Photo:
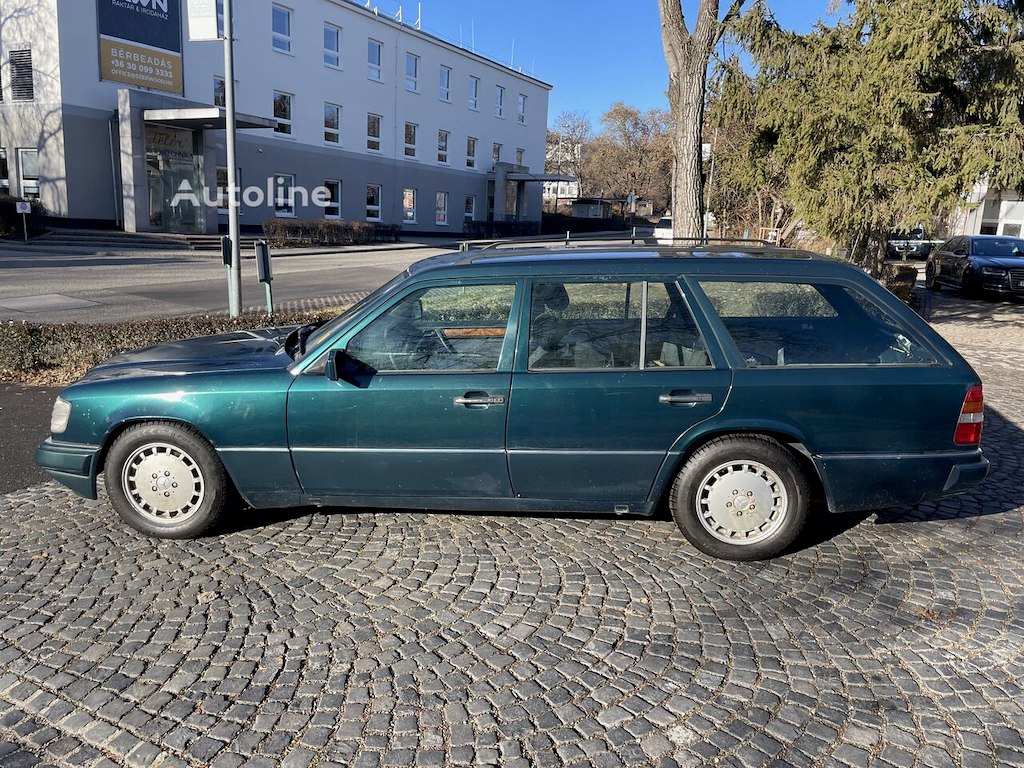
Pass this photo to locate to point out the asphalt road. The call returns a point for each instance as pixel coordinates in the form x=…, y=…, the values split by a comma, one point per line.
x=24, y=423
x=133, y=285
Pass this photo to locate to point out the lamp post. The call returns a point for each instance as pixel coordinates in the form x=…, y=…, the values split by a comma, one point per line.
x=235, y=267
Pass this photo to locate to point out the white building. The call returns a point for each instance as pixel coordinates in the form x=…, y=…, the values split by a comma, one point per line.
x=990, y=212
x=109, y=114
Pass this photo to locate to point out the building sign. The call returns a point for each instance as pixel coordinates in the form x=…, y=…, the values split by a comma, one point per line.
x=140, y=43
x=173, y=143
x=205, y=20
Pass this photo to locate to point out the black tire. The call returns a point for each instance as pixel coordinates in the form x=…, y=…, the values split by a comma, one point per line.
x=755, y=470
x=185, y=489
x=929, y=279
x=970, y=286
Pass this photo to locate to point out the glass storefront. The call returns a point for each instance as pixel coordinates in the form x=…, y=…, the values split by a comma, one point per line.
x=174, y=169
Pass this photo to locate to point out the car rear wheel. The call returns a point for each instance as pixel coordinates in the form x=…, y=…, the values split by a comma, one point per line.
x=165, y=480
x=741, y=498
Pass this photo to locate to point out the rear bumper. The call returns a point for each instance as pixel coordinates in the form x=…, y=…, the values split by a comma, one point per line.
x=76, y=466
x=864, y=482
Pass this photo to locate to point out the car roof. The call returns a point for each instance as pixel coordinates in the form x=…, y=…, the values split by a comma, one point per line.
x=603, y=259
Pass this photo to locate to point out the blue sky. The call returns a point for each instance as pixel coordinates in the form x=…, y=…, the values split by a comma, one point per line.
x=594, y=52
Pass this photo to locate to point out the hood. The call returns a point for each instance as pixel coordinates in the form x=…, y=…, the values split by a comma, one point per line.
x=1002, y=262
x=224, y=352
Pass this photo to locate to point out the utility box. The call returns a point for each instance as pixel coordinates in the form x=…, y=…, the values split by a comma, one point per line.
x=263, y=268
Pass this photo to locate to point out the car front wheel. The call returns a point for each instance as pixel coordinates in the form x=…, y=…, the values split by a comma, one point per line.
x=929, y=279
x=165, y=480
x=741, y=498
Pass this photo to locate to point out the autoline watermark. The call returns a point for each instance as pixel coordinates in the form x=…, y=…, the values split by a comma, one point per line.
x=276, y=191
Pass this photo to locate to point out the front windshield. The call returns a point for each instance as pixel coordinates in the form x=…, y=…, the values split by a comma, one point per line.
x=326, y=331
x=998, y=246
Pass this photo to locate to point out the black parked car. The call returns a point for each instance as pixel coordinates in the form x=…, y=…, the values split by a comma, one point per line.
x=976, y=264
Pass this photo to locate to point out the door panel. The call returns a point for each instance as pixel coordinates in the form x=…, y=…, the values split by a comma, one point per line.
x=426, y=414
x=403, y=435
x=602, y=436
x=591, y=418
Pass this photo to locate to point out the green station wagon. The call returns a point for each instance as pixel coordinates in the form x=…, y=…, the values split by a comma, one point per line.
x=742, y=388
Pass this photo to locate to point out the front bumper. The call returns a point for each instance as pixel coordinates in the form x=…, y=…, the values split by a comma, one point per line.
x=76, y=466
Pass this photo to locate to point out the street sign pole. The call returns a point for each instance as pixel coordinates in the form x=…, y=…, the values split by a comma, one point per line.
x=24, y=209
x=235, y=268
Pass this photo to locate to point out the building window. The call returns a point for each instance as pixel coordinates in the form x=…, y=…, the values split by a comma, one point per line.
x=332, y=123
x=521, y=109
x=5, y=175
x=282, y=28
x=496, y=153
x=499, y=101
x=28, y=168
x=373, y=57
x=283, y=112
x=412, y=72
x=410, y=139
x=373, y=132
x=470, y=207
x=332, y=46
x=520, y=156
x=474, y=92
x=22, y=84
x=470, y=152
x=373, y=202
x=220, y=96
x=284, y=198
x=444, y=91
x=333, y=208
x=408, y=206
x=441, y=209
x=442, y=147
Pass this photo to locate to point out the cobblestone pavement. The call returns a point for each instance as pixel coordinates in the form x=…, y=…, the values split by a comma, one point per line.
x=388, y=639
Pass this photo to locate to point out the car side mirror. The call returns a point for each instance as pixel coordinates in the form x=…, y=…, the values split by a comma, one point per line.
x=960, y=252
x=341, y=366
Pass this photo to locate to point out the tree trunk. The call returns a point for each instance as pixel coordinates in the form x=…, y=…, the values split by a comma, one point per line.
x=686, y=95
x=687, y=56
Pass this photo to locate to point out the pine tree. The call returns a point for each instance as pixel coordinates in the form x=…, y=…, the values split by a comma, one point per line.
x=892, y=114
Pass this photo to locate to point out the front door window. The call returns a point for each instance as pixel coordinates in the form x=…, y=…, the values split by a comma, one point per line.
x=450, y=328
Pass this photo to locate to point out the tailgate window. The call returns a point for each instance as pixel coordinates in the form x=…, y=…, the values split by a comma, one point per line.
x=782, y=323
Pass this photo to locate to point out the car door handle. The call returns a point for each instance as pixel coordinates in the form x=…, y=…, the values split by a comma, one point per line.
x=473, y=400
x=685, y=398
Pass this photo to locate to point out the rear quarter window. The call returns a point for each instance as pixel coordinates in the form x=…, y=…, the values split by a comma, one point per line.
x=786, y=323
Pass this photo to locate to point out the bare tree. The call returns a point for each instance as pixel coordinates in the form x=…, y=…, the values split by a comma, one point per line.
x=632, y=156
x=568, y=142
x=687, y=55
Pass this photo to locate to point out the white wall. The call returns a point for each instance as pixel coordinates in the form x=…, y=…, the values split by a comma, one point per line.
x=260, y=70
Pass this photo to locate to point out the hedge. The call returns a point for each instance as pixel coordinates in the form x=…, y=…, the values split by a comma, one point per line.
x=900, y=280
x=58, y=354
x=11, y=224
x=290, y=232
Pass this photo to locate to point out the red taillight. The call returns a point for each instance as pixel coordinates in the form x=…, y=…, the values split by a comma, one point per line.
x=972, y=417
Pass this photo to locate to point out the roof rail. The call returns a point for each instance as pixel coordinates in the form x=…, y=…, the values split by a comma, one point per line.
x=580, y=239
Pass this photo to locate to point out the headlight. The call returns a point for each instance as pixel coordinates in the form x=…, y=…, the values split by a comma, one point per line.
x=993, y=272
x=59, y=417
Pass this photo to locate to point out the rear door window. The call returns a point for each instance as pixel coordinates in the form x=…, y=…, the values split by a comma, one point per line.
x=604, y=325
x=783, y=323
